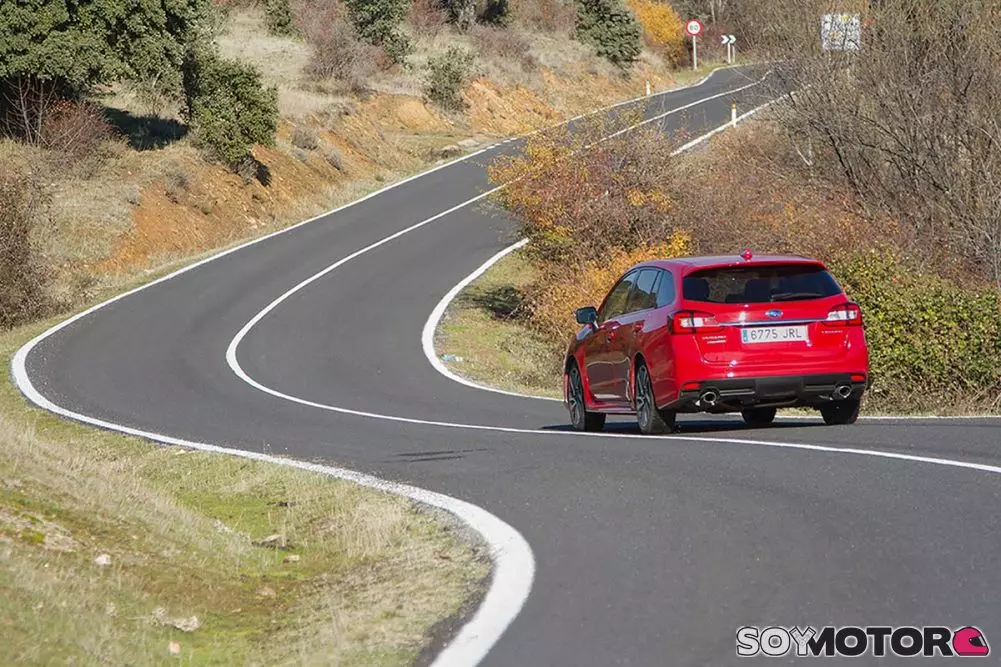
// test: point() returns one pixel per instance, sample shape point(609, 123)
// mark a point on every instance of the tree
point(378, 22)
point(228, 107)
point(610, 28)
point(56, 49)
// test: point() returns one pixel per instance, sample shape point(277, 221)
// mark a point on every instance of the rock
point(449, 152)
point(271, 542)
point(292, 558)
point(266, 592)
point(182, 624)
point(174, 648)
point(104, 560)
point(469, 143)
point(186, 624)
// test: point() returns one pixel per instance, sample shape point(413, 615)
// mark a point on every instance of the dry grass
point(281, 60)
point(373, 575)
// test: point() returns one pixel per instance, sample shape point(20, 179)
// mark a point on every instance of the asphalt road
point(649, 551)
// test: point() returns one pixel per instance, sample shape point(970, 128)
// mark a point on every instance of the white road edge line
point(513, 561)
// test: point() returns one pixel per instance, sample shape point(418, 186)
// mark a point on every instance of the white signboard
point(841, 32)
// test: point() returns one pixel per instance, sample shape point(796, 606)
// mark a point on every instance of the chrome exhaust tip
point(709, 398)
point(841, 392)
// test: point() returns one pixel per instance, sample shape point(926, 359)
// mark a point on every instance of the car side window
point(642, 295)
point(665, 292)
point(617, 300)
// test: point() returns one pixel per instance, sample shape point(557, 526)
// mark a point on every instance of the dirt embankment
point(145, 208)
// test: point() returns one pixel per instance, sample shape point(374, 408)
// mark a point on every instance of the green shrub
point(447, 74)
point(378, 22)
point(496, 12)
point(929, 338)
point(278, 17)
point(229, 109)
point(610, 28)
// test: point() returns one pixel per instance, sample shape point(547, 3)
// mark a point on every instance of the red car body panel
point(831, 351)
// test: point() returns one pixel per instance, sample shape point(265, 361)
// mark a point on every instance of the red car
point(718, 334)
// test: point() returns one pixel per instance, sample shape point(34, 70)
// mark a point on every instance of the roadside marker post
point(733, 114)
point(648, 89)
point(731, 50)
point(694, 29)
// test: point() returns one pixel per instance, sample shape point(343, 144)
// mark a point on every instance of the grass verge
point(480, 338)
point(117, 551)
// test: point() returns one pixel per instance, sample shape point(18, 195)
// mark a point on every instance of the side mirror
point(586, 315)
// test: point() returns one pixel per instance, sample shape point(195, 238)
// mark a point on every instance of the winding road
point(647, 550)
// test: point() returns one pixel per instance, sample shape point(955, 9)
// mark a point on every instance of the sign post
point(729, 41)
point(694, 29)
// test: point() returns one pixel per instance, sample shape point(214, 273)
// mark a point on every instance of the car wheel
point(651, 420)
point(840, 413)
point(758, 416)
point(580, 418)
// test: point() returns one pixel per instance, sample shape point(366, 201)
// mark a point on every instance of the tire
point(841, 413)
point(580, 418)
point(651, 420)
point(758, 416)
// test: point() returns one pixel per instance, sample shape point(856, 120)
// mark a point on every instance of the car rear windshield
point(760, 284)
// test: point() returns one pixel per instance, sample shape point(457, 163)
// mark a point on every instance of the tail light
point(694, 321)
point(847, 314)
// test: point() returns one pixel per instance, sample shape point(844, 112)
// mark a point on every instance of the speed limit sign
point(694, 28)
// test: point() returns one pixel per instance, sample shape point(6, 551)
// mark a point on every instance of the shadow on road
point(699, 426)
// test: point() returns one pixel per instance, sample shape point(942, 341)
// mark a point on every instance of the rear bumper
point(786, 390)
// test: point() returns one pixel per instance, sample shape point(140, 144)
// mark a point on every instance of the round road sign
point(694, 27)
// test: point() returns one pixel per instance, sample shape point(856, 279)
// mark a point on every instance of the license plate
point(775, 335)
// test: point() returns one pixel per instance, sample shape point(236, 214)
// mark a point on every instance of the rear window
point(760, 284)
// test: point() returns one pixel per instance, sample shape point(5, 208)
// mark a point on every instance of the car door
point(596, 348)
point(641, 301)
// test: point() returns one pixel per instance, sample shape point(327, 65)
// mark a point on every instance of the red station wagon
point(718, 334)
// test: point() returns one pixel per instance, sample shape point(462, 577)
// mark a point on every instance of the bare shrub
point(176, 182)
point(75, 130)
point(555, 16)
point(591, 208)
point(503, 43)
point(427, 18)
point(911, 123)
point(339, 54)
point(22, 279)
point(752, 190)
point(305, 138)
point(579, 196)
point(334, 158)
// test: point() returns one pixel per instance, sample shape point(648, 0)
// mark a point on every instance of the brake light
point(694, 321)
point(847, 314)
